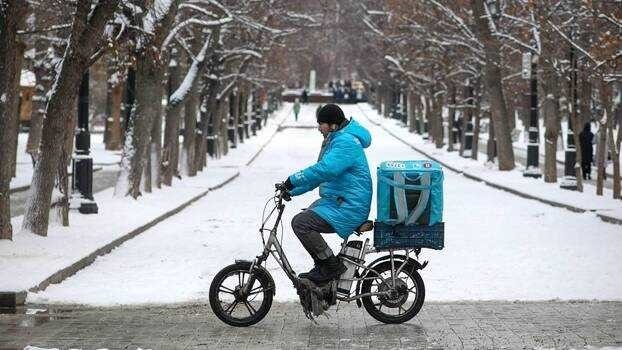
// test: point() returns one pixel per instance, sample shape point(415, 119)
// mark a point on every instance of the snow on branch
point(571, 42)
point(199, 9)
point(179, 26)
point(258, 26)
point(372, 27)
point(180, 94)
point(521, 20)
point(300, 16)
point(240, 52)
point(516, 41)
point(463, 27)
point(156, 14)
point(409, 74)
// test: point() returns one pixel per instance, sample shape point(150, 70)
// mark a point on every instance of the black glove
point(288, 185)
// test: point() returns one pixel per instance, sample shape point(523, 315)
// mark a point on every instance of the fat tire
point(262, 276)
point(414, 310)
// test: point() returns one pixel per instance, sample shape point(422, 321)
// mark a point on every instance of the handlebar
point(283, 193)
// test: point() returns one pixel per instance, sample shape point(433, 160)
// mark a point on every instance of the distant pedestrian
point(304, 96)
point(586, 137)
point(296, 108)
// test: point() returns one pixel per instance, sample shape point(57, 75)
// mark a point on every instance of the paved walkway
point(472, 325)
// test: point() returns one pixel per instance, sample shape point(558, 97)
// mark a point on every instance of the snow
point(24, 169)
point(498, 246)
point(27, 78)
point(29, 259)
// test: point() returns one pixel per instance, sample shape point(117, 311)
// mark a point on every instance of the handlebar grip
point(286, 196)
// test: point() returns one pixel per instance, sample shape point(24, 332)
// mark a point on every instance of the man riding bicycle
point(343, 175)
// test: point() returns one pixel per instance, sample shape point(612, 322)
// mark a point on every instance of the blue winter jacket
point(342, 173)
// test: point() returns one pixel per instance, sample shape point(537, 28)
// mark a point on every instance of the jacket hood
point(358, 131)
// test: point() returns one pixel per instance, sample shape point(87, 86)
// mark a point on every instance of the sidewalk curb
point(18, 298)
point(572, 208)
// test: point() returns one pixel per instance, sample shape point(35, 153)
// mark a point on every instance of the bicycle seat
point(368, 225)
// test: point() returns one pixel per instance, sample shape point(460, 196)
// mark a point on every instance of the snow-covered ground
point(498, 246)
point(29, 259)
point(587, 200)
point(101, 157)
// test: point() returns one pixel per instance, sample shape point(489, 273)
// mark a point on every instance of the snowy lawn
point(24, 170)
point(498, 246)
point(29, 259)
point(587, 200)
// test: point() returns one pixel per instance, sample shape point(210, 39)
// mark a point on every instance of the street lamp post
point(467, 150)
point(533, 146)
point(570, 157)
point(82, 179)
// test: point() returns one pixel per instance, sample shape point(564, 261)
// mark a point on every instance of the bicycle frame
point(273, 247)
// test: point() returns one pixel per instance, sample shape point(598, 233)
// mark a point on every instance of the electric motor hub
point(394, 297)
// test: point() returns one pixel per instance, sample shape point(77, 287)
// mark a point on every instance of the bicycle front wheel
point(231, 304)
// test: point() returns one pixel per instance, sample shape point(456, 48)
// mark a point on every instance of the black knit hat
point(331, 114)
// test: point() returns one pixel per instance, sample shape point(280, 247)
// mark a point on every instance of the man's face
point(324, 128)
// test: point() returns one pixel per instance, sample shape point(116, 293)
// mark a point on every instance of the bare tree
point(85, 41)
point(11, 52)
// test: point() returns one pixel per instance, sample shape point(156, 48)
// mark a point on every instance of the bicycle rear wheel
point(401, 302)
point(234, 307)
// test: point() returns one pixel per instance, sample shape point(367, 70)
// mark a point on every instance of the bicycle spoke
point(250, 308)
point(231, 307)
point(379, 305)
point(256, 291)
point(225, 290)
point(399, 312)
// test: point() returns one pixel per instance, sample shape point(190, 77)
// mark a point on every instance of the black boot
point(329, 269)
point(314, 270)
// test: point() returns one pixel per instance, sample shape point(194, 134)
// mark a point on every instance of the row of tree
point(466, 56)
point(214, 62)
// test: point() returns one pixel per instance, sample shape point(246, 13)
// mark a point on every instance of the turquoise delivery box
point(409, 205)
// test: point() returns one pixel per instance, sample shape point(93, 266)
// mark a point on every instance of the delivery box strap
point(399, 194)
point(404, 186)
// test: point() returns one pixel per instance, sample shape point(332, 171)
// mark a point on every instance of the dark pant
point(587, 170)
point(308, 227)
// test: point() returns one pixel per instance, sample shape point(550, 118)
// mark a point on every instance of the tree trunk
point(601, 149)
point(476, 116)
point(613, 147)
point(170, 152)
point(491, 149)
point(114, 94)
point(87, 29)
point(44, 79)
point(11, 54)
point(437, 111)
point(156, 137)
point(412, 121)
point(451, 117)
point(236, 114)
point(138, 136)
point(493, 86)
point(223, 112)
point(190, 125)
point(425, 117)
point(549, 89)
point(617, 114)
